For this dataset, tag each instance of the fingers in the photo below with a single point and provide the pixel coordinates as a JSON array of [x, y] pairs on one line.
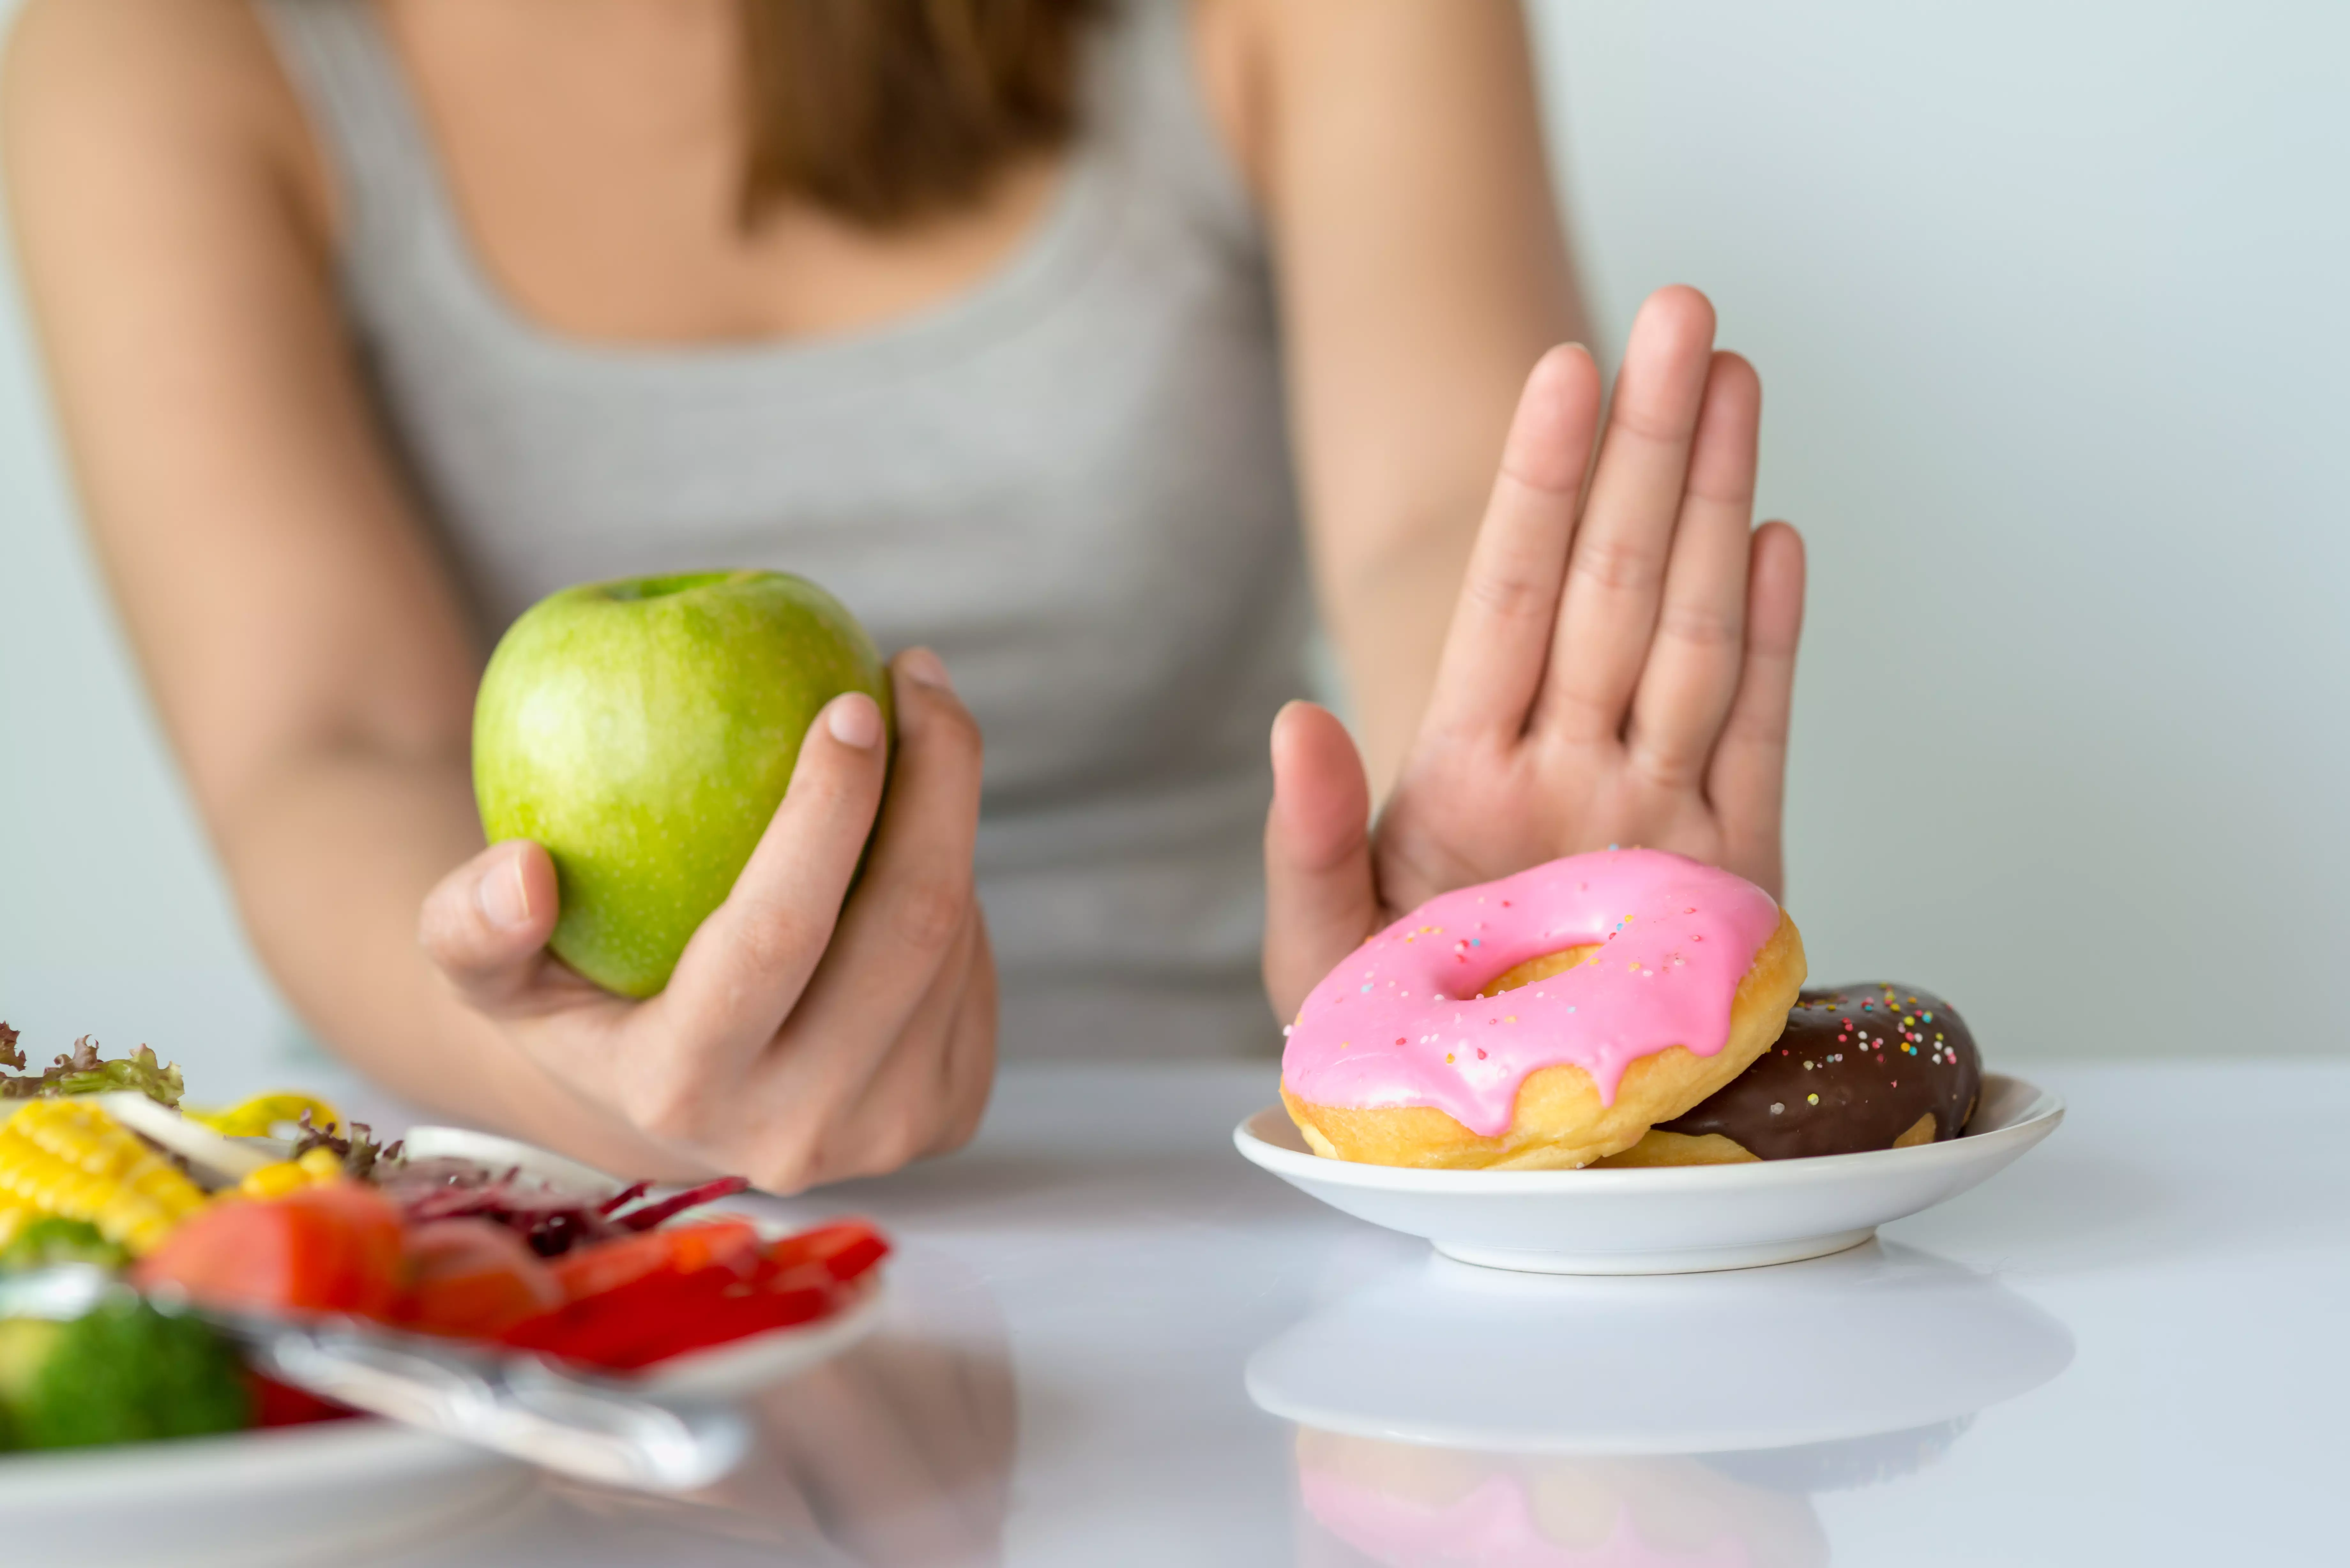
[[1501, 633], [485, 926], [871, 1071], [1616, 571], [916, 898], [751, 959], [1747, 782], [910, 1101], [1321, 900], [1693, 664], [969, 1072]]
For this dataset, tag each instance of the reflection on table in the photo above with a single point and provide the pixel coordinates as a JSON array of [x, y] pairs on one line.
[[895, 1454], [1401, 1506], [1464, 1416]]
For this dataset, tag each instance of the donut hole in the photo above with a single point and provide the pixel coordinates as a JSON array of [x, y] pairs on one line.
[[1542, 968]]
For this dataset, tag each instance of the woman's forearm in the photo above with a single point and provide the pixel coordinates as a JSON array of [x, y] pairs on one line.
[[331, 853], [1421, 273], [307, 654]]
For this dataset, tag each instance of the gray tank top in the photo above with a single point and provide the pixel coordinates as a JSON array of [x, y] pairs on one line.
[[1073, 481]]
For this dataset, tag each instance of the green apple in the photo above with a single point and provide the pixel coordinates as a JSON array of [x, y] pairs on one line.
[[643, 731]]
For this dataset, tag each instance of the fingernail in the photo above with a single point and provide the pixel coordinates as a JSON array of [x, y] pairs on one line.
[[855, 721], [504, 901], [922, 665]]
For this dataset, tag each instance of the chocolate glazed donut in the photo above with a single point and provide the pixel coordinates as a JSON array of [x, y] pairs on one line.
[[1874, 1066]]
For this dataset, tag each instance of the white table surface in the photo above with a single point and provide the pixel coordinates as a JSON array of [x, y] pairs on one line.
[[2130, 1347]]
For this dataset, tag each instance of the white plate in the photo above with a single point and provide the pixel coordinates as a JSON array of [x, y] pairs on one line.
[[1665, 1220], [294, 1494], [301, 1494], [494, 1153], [329, 1489]]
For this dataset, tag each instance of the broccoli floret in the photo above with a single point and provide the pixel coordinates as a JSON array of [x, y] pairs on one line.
[[122, 1373], [53, 1238]]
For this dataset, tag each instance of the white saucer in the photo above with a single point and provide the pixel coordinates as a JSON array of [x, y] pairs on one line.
[[1667, 1221]]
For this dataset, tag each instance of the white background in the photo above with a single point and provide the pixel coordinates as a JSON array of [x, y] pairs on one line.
[[2047, 299]]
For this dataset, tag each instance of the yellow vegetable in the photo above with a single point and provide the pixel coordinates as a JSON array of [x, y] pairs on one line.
[[273, 1181], [315, 1169], [257, 1116], [66, 1157]]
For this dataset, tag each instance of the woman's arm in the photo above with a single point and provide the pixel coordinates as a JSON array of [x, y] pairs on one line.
[[304, 651], [313, 670], [1397, 151], [1618, 653]]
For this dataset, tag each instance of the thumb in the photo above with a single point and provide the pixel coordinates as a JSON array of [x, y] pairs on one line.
[[1321, 900], [485, 926]]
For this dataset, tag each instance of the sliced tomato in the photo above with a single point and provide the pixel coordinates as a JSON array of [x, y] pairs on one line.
[[472, 1278], [732, 1244], [334, 1247]]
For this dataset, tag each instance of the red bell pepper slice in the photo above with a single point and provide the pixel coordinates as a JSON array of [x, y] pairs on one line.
[[841, 1250], [605, 1266], [645, 1299]]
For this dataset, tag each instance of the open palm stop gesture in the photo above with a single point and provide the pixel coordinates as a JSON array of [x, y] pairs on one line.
[[1619, 668]]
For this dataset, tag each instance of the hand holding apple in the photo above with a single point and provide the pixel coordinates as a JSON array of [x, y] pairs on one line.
[[808, 1034]]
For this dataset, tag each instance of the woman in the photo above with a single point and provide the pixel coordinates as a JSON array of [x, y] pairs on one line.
[[370, 321]]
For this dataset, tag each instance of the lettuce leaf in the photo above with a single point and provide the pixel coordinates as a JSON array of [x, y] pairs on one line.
[[81, 1071]]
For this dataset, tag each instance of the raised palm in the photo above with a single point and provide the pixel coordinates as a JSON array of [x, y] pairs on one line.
[[1619, 668]]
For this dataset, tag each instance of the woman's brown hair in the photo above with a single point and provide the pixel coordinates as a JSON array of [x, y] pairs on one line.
[[885, 111]]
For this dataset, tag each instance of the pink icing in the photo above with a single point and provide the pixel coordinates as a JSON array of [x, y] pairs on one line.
[[1397, 1024]]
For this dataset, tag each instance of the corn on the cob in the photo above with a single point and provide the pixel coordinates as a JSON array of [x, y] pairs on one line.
[[64, 1156], [13, 1216]]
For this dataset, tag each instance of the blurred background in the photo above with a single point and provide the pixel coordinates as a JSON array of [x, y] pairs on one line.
[[2048, 301]]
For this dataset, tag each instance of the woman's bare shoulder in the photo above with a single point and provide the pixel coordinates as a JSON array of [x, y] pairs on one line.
[[130, 92]]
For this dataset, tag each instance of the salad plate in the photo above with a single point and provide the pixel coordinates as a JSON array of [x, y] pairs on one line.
[[467, 1285], [291, 1494], [1665, 1220], [492, 1152], [285, 1495]]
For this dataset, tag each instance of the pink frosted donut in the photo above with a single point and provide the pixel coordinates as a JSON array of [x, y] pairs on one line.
[[1545, 1020]]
